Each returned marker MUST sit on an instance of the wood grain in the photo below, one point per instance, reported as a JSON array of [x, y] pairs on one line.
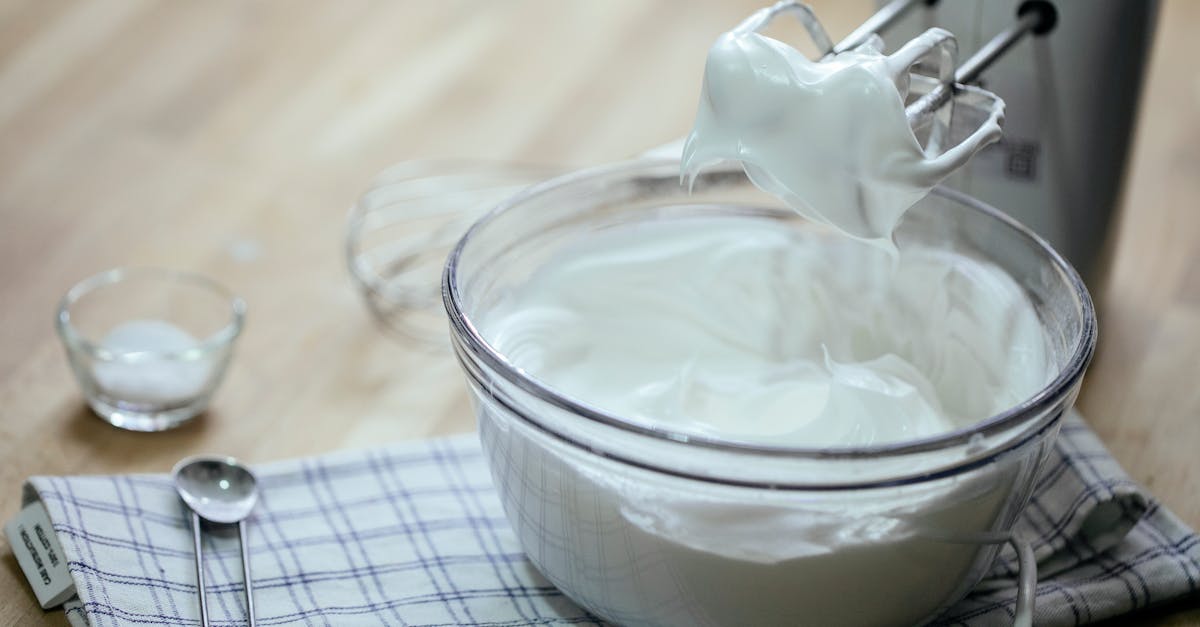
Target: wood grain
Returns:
[[144, 132]]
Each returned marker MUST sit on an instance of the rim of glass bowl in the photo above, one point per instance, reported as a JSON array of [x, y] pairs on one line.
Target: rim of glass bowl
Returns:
[[209, 344], [1050, 394]]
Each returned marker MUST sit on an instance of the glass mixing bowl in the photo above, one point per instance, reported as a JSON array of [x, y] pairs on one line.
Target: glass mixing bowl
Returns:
[[643, 525]]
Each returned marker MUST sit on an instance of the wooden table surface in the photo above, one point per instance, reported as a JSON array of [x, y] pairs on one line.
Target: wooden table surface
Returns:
[[186, 134]]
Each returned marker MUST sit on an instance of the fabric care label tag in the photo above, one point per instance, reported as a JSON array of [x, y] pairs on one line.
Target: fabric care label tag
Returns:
[[36, 546]]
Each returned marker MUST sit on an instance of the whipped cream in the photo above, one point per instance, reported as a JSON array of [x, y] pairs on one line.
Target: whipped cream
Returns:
[[141, 373], [740, 329], [831, 138], [765, 331]]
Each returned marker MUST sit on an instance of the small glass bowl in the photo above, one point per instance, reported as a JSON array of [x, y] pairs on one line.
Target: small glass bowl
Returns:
[[149, 346]]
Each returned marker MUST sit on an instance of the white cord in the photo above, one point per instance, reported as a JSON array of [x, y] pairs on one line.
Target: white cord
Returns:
[[1026, 582]]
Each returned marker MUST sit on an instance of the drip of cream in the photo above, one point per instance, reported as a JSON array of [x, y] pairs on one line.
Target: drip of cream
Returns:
[[739, 329], [831, 139]]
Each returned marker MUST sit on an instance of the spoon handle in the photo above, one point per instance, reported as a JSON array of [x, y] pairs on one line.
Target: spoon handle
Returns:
[[200, 570], [246, 571]]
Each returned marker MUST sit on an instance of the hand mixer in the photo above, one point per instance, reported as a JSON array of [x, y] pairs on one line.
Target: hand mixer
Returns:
[[935, 50]]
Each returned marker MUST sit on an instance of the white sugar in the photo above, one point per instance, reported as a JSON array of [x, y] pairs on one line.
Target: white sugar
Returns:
[[148, 366]]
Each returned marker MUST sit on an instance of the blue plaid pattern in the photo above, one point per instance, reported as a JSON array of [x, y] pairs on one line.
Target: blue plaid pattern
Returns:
[[414, 535], [1104, 547]]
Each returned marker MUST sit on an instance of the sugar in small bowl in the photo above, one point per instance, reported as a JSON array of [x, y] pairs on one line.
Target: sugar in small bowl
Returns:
[[149, 346]]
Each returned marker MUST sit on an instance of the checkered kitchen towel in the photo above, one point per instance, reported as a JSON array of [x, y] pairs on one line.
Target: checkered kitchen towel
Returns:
[[414, 535]]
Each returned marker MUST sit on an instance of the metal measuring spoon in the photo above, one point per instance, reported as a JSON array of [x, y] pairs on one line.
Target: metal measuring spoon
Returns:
[[220, 490]]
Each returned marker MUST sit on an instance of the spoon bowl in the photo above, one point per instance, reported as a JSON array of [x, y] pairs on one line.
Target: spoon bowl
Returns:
[[219, 489]]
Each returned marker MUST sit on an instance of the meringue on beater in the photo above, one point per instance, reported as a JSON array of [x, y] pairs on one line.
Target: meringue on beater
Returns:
[[829, 138]]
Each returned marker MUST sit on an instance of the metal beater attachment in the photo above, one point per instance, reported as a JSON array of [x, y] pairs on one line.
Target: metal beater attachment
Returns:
[[1037, 16], [936, 49]]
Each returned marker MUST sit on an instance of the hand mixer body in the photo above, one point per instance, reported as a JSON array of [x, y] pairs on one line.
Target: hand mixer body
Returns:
[[1071, 99]]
